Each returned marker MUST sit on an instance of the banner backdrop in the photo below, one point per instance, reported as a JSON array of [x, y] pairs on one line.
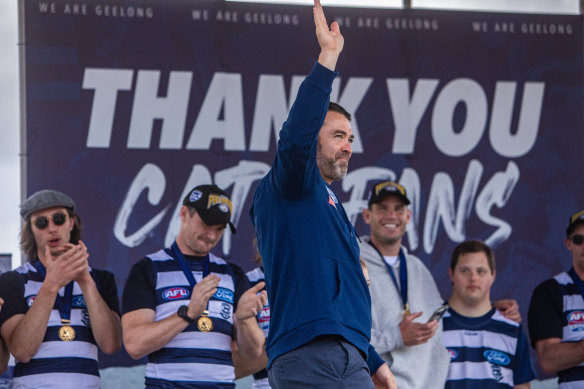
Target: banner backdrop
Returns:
[[129, 104]]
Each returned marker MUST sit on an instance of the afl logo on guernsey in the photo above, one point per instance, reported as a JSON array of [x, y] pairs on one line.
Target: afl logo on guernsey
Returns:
[[175, 293], [576, 321], [264, 315], [453, 354], [497, 357], [30, 300]]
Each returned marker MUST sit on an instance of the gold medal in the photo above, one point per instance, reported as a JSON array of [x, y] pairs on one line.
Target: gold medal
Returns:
[[205, 324], [66, 333], [407, 310]]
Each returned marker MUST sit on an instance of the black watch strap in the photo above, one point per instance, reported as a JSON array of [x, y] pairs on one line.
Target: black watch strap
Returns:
[[183, 313]]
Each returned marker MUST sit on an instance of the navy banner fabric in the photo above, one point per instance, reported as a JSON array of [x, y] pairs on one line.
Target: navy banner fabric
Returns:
[[129, 104]]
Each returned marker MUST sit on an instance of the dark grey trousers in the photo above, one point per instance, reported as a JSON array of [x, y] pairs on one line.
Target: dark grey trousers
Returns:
[[327, 362]]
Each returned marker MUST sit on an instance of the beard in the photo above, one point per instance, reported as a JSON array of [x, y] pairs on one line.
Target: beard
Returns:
[[333, 169]]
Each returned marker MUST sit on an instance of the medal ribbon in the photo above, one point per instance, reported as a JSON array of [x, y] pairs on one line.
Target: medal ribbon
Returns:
[[63, 303], [577, 280], [188, 273], [402, 287]]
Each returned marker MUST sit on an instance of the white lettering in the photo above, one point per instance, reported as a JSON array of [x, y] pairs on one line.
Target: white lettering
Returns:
[[497, 192], [172, 109], [106, 83], [224, 98], [149, 178], [503, 141], [407, 113], [449, 141]]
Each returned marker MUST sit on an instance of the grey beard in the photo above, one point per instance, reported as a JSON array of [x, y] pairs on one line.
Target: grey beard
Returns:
[[330, 169]]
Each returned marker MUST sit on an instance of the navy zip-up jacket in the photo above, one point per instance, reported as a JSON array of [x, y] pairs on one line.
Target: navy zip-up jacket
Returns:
[[308, 245]]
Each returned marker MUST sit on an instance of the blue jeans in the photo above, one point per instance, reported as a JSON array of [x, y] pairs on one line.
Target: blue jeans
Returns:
[[326, 362]]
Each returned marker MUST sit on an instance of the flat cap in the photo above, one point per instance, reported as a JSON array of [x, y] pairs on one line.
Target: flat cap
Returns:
[[46, 198]]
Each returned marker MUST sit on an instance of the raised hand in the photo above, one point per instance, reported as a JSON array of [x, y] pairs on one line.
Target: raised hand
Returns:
[[251, 302], [71, 264], [330, 40], [416, 333], [202, 292]]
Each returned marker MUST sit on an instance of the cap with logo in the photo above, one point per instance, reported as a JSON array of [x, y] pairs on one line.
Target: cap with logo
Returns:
[[575, 219], [386, 188], [43, 199], [212, 204]]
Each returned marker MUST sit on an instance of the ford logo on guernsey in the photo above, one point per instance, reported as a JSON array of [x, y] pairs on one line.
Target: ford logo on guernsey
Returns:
[[224, 295], [497, 357], [175, 293], [576, 321], [79, 302]]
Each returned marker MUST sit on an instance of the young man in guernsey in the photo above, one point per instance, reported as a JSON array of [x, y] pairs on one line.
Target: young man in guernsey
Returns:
[[319, 301], [57, 310], [183, 305], [556, 314], [486, 349]]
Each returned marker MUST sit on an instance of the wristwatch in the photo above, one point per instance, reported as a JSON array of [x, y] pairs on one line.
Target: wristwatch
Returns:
[[183, 312]]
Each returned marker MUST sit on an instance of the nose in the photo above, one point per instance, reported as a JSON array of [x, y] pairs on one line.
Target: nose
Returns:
[[347, 147], [51, 226]]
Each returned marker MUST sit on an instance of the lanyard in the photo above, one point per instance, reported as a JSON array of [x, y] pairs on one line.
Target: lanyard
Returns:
[[577, 280], [402, 287], [63, 303], [183, 264]]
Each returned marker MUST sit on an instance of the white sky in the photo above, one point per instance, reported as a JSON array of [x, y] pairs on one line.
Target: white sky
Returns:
[[9, 92]]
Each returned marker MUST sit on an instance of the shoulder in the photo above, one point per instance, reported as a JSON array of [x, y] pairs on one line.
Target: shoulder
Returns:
[[498, 317], [367, 252], [255, 275], [552, 285]]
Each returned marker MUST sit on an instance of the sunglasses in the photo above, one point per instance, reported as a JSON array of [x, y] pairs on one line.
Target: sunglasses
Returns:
[[58, 219], [577, 239]]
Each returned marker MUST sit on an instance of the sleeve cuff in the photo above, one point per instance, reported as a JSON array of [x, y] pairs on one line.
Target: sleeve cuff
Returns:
[[322, 76], [374, 361]]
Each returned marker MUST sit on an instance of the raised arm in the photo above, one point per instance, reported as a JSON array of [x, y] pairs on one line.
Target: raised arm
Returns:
[[330, 39], [294, 170], [105, 323]]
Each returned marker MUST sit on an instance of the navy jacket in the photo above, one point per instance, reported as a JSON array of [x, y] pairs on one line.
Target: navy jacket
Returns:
[[308, 245]]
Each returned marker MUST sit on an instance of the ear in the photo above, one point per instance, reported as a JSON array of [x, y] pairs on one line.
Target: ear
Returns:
[[71, 223], [494, 275], [367, 215], [409, 215], [184, 212], [568, 244], [451, 275]]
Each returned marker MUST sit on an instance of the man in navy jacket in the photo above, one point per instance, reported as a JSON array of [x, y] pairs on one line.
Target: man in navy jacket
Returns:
[[320, 304]]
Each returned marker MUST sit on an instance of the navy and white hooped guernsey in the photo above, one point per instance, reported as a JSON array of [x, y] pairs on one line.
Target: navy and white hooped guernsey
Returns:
[[193, 359], [557, 311], [71, 364], [490, 351]]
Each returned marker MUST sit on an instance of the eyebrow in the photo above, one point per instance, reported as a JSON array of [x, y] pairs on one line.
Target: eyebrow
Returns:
[[343, 132]]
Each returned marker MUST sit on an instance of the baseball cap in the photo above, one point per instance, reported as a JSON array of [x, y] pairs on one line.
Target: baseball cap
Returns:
[[386, 188], [212, 204], [575, 219], [46, 198]]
